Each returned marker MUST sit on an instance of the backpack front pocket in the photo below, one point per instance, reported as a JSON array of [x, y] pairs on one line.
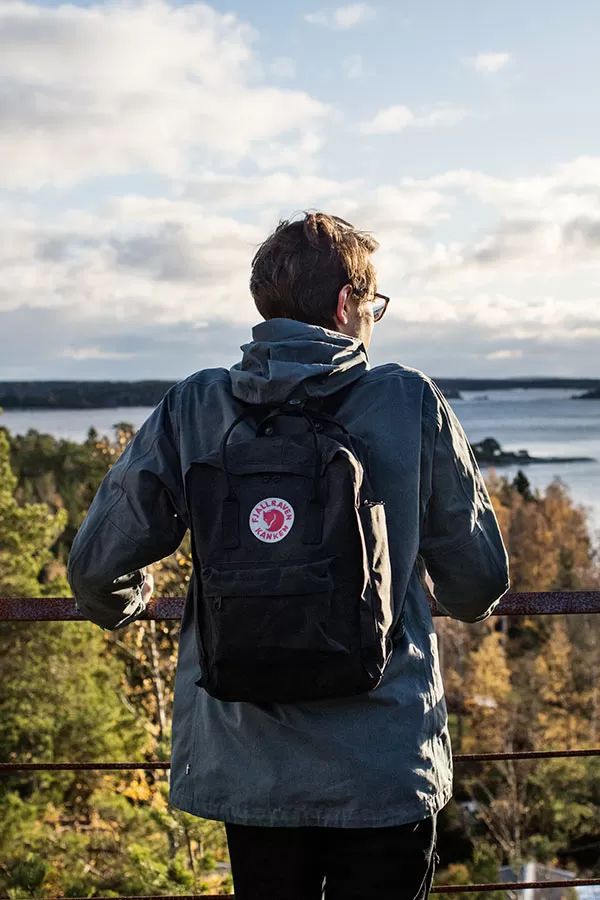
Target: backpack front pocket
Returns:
[[265, 613]]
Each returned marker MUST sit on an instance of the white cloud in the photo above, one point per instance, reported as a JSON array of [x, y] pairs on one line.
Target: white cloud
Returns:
[[442, 116], [317, 18], [145, 85], [353, 66], [505, 354], [348, 16], [278, 189], [343, 17], [158, 260], [388, 208], [161, 286], [186, 260], [393, 119], [502, 317], [565, 192], [87, 353], [547, 226], [490, 63], [389, 120]]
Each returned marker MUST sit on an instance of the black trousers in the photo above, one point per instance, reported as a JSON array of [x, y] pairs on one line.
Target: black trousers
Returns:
[[350, 863]]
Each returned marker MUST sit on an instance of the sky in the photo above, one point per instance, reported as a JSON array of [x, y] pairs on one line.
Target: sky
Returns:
[[147, 148]]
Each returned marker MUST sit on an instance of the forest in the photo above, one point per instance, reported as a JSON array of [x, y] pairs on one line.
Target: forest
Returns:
[[113, 394], [73, 692]]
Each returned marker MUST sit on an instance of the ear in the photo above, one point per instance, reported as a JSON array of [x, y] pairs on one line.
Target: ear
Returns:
[[341, 312]]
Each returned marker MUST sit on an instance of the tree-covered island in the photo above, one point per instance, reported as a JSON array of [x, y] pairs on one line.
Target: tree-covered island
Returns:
[[594, 394], [489, 453]]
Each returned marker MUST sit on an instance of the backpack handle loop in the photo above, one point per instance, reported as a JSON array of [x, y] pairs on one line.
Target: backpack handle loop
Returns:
[[299, 413], [223, 449], [273, 414]]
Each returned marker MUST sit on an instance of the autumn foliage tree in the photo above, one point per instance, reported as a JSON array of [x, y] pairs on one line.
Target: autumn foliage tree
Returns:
[[530, 683], [546, 534]]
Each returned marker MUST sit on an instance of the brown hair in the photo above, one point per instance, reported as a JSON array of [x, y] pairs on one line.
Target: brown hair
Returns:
[[298, 272]]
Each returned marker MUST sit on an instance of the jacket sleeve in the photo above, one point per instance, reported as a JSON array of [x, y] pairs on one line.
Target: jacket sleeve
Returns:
[[136, 518], [461, 543]]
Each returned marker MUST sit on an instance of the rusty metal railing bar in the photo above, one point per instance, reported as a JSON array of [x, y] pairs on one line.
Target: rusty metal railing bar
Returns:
[[510, 886], [63, 609], [151, 766], [437, 889], [524, 754], [156, 764]]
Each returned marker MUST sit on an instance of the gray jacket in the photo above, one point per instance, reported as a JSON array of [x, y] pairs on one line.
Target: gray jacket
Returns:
[[377, 759]]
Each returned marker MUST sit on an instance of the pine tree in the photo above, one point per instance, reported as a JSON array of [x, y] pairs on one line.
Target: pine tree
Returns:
[[560, 722], [487, 689], [26, 535]]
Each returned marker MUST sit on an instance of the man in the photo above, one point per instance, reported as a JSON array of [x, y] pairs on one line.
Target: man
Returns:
[[343, 792]]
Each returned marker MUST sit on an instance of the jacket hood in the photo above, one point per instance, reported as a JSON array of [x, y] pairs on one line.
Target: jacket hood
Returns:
[[286, 356]]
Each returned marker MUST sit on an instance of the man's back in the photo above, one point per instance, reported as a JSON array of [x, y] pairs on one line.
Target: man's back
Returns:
[[376, 759]]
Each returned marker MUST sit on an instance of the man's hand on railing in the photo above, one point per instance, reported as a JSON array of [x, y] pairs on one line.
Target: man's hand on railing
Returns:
[[147, 587]]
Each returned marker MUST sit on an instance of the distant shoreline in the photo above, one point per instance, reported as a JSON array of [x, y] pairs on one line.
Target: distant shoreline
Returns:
[[513, 459], [39, 395]]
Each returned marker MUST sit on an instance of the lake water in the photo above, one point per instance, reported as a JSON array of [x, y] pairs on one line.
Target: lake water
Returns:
[[544, 422]]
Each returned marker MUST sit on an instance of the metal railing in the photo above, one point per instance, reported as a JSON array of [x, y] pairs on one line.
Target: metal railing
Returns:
[[171, 608], [63, 609]]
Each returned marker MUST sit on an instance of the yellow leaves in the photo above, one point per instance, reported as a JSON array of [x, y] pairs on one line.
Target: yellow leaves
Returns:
[[159, 801], [502, 512], [488, 668], [553, 666], [487, 689], [546, 536], [138, 789], [561, 722]]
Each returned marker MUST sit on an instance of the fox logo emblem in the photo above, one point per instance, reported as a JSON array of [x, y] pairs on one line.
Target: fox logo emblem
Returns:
[[271, 520], [275, 519]]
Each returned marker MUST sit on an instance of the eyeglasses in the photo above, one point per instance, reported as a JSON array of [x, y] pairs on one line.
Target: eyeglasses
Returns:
[[380, 304]]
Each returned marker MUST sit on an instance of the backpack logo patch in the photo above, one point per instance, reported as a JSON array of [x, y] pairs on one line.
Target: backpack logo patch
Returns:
[[271, 520]]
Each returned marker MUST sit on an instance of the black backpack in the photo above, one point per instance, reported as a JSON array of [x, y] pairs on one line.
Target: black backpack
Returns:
[[290, 551]]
